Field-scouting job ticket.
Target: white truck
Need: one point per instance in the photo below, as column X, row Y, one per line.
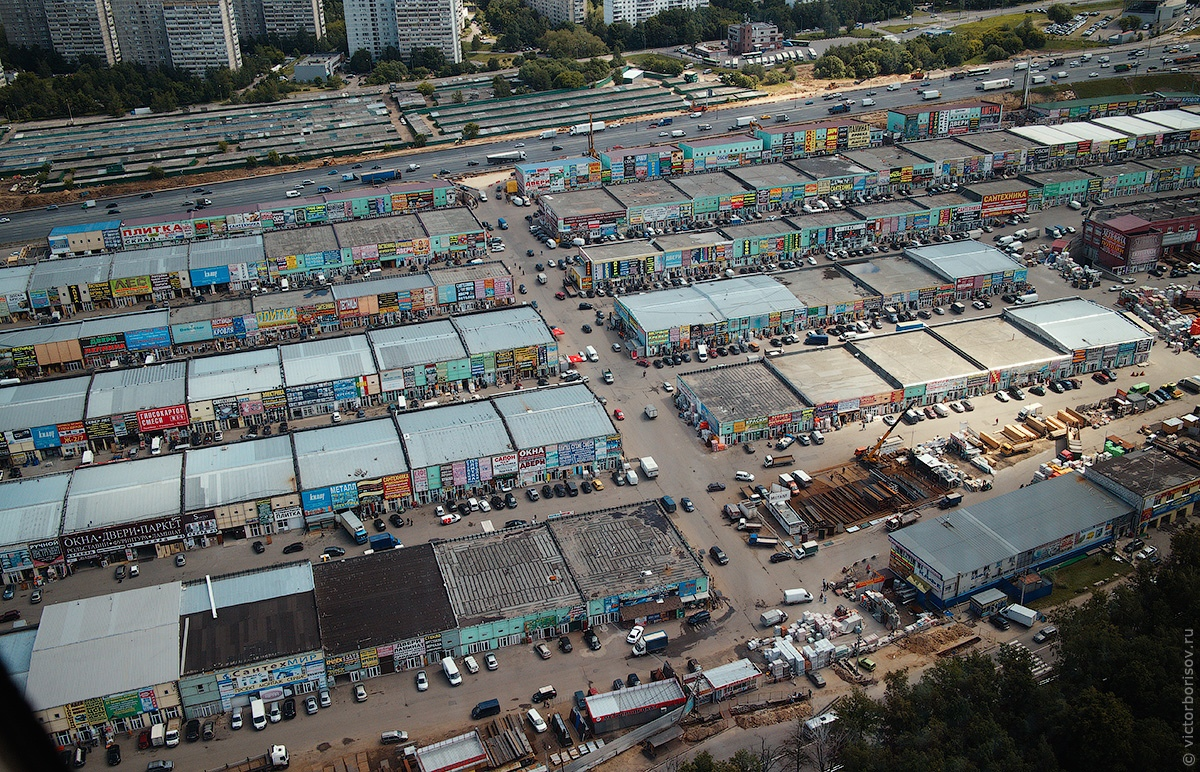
column 651, row 412
column 649, row 467
column 743, row 122
column 772, row 618
column 1033, row 409
column 932, row 93
column 548, row 134
column 1022, row 615
column 995, row 84
column 587, row 128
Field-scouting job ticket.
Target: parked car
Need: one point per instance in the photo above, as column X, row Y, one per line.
column 635, row 634
column 422, row 681
column 780, row 557
column 310, row 705
column 191, row 731
column 293, row 547
column 591, row 639
column 360, row 693
column 289, row 708
column 816, row 678
column 718, row 555
column 112, row 755
column 564, row 644
column 716, row 486
column 489, row 661
column 999, row 622
column 542, row 650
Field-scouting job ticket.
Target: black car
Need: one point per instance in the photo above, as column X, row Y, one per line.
column 585, row 486
column 658, row 364
column 396, row 521
column 564, row 644
column 529, row 253
column 464, row 509
column 560, row 490
column 258, row 547
column 531, row 494
column 780, row 557
column 472, row 163
column 293, row 547
column 192, row 731
column 1037, row 390
column 112, row 754
column 999, row 622
column 496, row 502
column 718, row 555
column 1133, row 546
column 333, row 552
column 547, row 491
column 515, row 523
column 556, row 148
column 632, row 680
column 510, row 500
column 587, row 328
column 686, row 357
column 147, row 195
column 585, row 306
column 591, row 639
column 618, row 685
column 289, row 708
column 379, row 524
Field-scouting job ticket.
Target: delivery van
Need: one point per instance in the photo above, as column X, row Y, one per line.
column 258, row 713
column 451, row 671
column 702, row 353
column 541, row 278
column 485, row 709
column 156, row 446
column 592, row 356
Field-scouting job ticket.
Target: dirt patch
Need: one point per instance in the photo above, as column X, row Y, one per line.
column 324, row 747
column 774, row 716
column 932, row 641
column 701, row 732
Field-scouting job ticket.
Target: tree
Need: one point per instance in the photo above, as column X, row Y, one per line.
column 493, row 64
column 419, row 140
column 457, row 97
column 361, row 61
column 1059, row 13
column 994, row 53
column 430, row 58
column 501, row 87
column 251, row 162
column 1128, row 23
column 830, row 66
column 155, row 172
column 470, row 130
column 426, row 89
column 273, row 158
column 569, row 79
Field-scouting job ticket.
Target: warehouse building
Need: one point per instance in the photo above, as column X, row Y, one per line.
column 411, row 623
column 923, row 366
column 829, row 296
column 901, row 282
column 654, row 204
column 249, row 634
column 420, row 362
column 1011, row 356
column 982, row 545
column 974, row 269
column 30, row 516
column 358, row 467
column 141, row 405
column 558, row 433
column 592, row 214
column 761, row 243
column 1160, row 487
column 508, row 588
column 150, row 276
column 42, row 421
column 506, row 346
column 724, row 681
column 114, row 516
column 742, row 403
column 70, row 286
column 1095, row 336
column 14, row 293
column 691, row 255
column 241, row 490
column 456, row 449
column 135, row 634
column 330, row 375
column 635, row 706
column 229, row 391
column 840, row 386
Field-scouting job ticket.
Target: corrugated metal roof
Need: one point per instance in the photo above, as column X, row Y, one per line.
column 601, row 706
column 1091, row 131
column 116, row 392
column 750, row 296
column 93, row 269
column 730, row 673
column 418, row 344
column 1128, row 124
column 972, row 537
column 1175, row 120
column 457, row 753
column 226, row 252
column 229, row 375
column 247, row 587
column 452, row 433
column 42, row 404
column 1044, row 135
column 16, row 649
column 501, row 330
column 361, row 289
column 218, row 475
column 140, row 490
column 1074, row 323
column 122, row 323
column 962, row 259
column 42, row 334
column 147, row 262
column 710, row 302
column 135, row 634
column 32, row 509
column 362, row 450
column 330, row 359
column 537, row 417
column 15, row 279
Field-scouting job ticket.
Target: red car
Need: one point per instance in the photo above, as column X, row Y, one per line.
column 618, row 414
column 643, row 363
column 144, row 740
column 560, row 295
column 1099, row 377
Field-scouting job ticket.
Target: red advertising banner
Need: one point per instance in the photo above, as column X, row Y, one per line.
column 397, row 486
column 1004, row 203
column 162, row 418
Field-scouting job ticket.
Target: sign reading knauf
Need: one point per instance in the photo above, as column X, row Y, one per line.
column 45, row 437
column 317, row 500
column 206, row 277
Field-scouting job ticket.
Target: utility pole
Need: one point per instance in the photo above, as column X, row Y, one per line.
column 1028, row 64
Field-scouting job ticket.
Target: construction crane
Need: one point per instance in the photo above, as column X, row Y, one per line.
column 870, row 455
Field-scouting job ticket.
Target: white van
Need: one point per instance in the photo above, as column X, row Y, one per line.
column 941, row 410
column 258, row 713
column 1075, row 205
column 451, row 671
column 284, row 285
column 156, row 446
column 702, row 352
column 535, row 720
column 541, row 278
column 592, row 356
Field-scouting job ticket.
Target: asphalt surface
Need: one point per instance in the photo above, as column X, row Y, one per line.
column 748, row 584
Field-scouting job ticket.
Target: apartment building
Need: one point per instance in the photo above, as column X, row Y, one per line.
column 80, row 28
column 25, row 23
column 634, row 11
column 202, row 34
column 142, row 32
column 430, row 24
column 371, row 25
column 559, row 11
column 287, row 17
column 749, row 37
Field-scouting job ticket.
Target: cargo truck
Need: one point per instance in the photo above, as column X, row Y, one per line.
column 1032, row 409
column 384, row 541
column 1022, row 615
column 809, row 548
column 842, row 108
column 762, row 541
column 932, row 93
column 349, row 177
column 743, row 122
column 651, row 412
column 587, row 128
column 993, row 85
column 772, row 618
column 158, row 734
column 548, row 134
column 786, row 481
column 370, row 178
column 650, row 643
column 896, row 522
column 353, row 526
column 771, row 461
column 507, row 157
column 649, row 467
column 750, row 526
column 950, row 500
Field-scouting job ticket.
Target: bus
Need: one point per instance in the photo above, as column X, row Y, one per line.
column 812, row 54
column 979, row 71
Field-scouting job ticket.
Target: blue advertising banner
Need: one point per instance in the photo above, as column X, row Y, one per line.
column 346, row 389
column 140, row 340
column 205, row 277
column 344, row 495
column 317, row 500
column 45, row 437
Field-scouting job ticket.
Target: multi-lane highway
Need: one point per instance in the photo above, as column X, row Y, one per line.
column 34, row 225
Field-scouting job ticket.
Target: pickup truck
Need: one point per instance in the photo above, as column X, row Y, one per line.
column 771, row 461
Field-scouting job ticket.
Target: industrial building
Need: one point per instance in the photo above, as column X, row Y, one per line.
column 30, row 518
column 987, row 544
column 1162, row 488
column 242, row 490
column 1132, row 238
column 359, row 467
column 641, row 704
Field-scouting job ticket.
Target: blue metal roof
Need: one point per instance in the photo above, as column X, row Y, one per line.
column 86, row 227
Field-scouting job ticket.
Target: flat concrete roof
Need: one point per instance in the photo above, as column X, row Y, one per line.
column 766, row 176
column 511, row 573
column 619, row 250
column 982, row 189
column 742, row 391
column 754, row 229
column 915, row 357
column 298, row 241
column 631, row 550
column 379, row 230
column 886, row 209
column 938, row 150
column 449, row 222
column 829, row 166
column 444, row 277
column 996, row 343
column 939, row 200
column 677, row 242
column 830, row 374
column 1057, row 175
column 649, row 193
column 823, row 286
column 996, row 141
column 709, row 185
column 881, row 158
column 583, row 203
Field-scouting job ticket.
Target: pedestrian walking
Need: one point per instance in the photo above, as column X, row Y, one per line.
column 643, row 373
